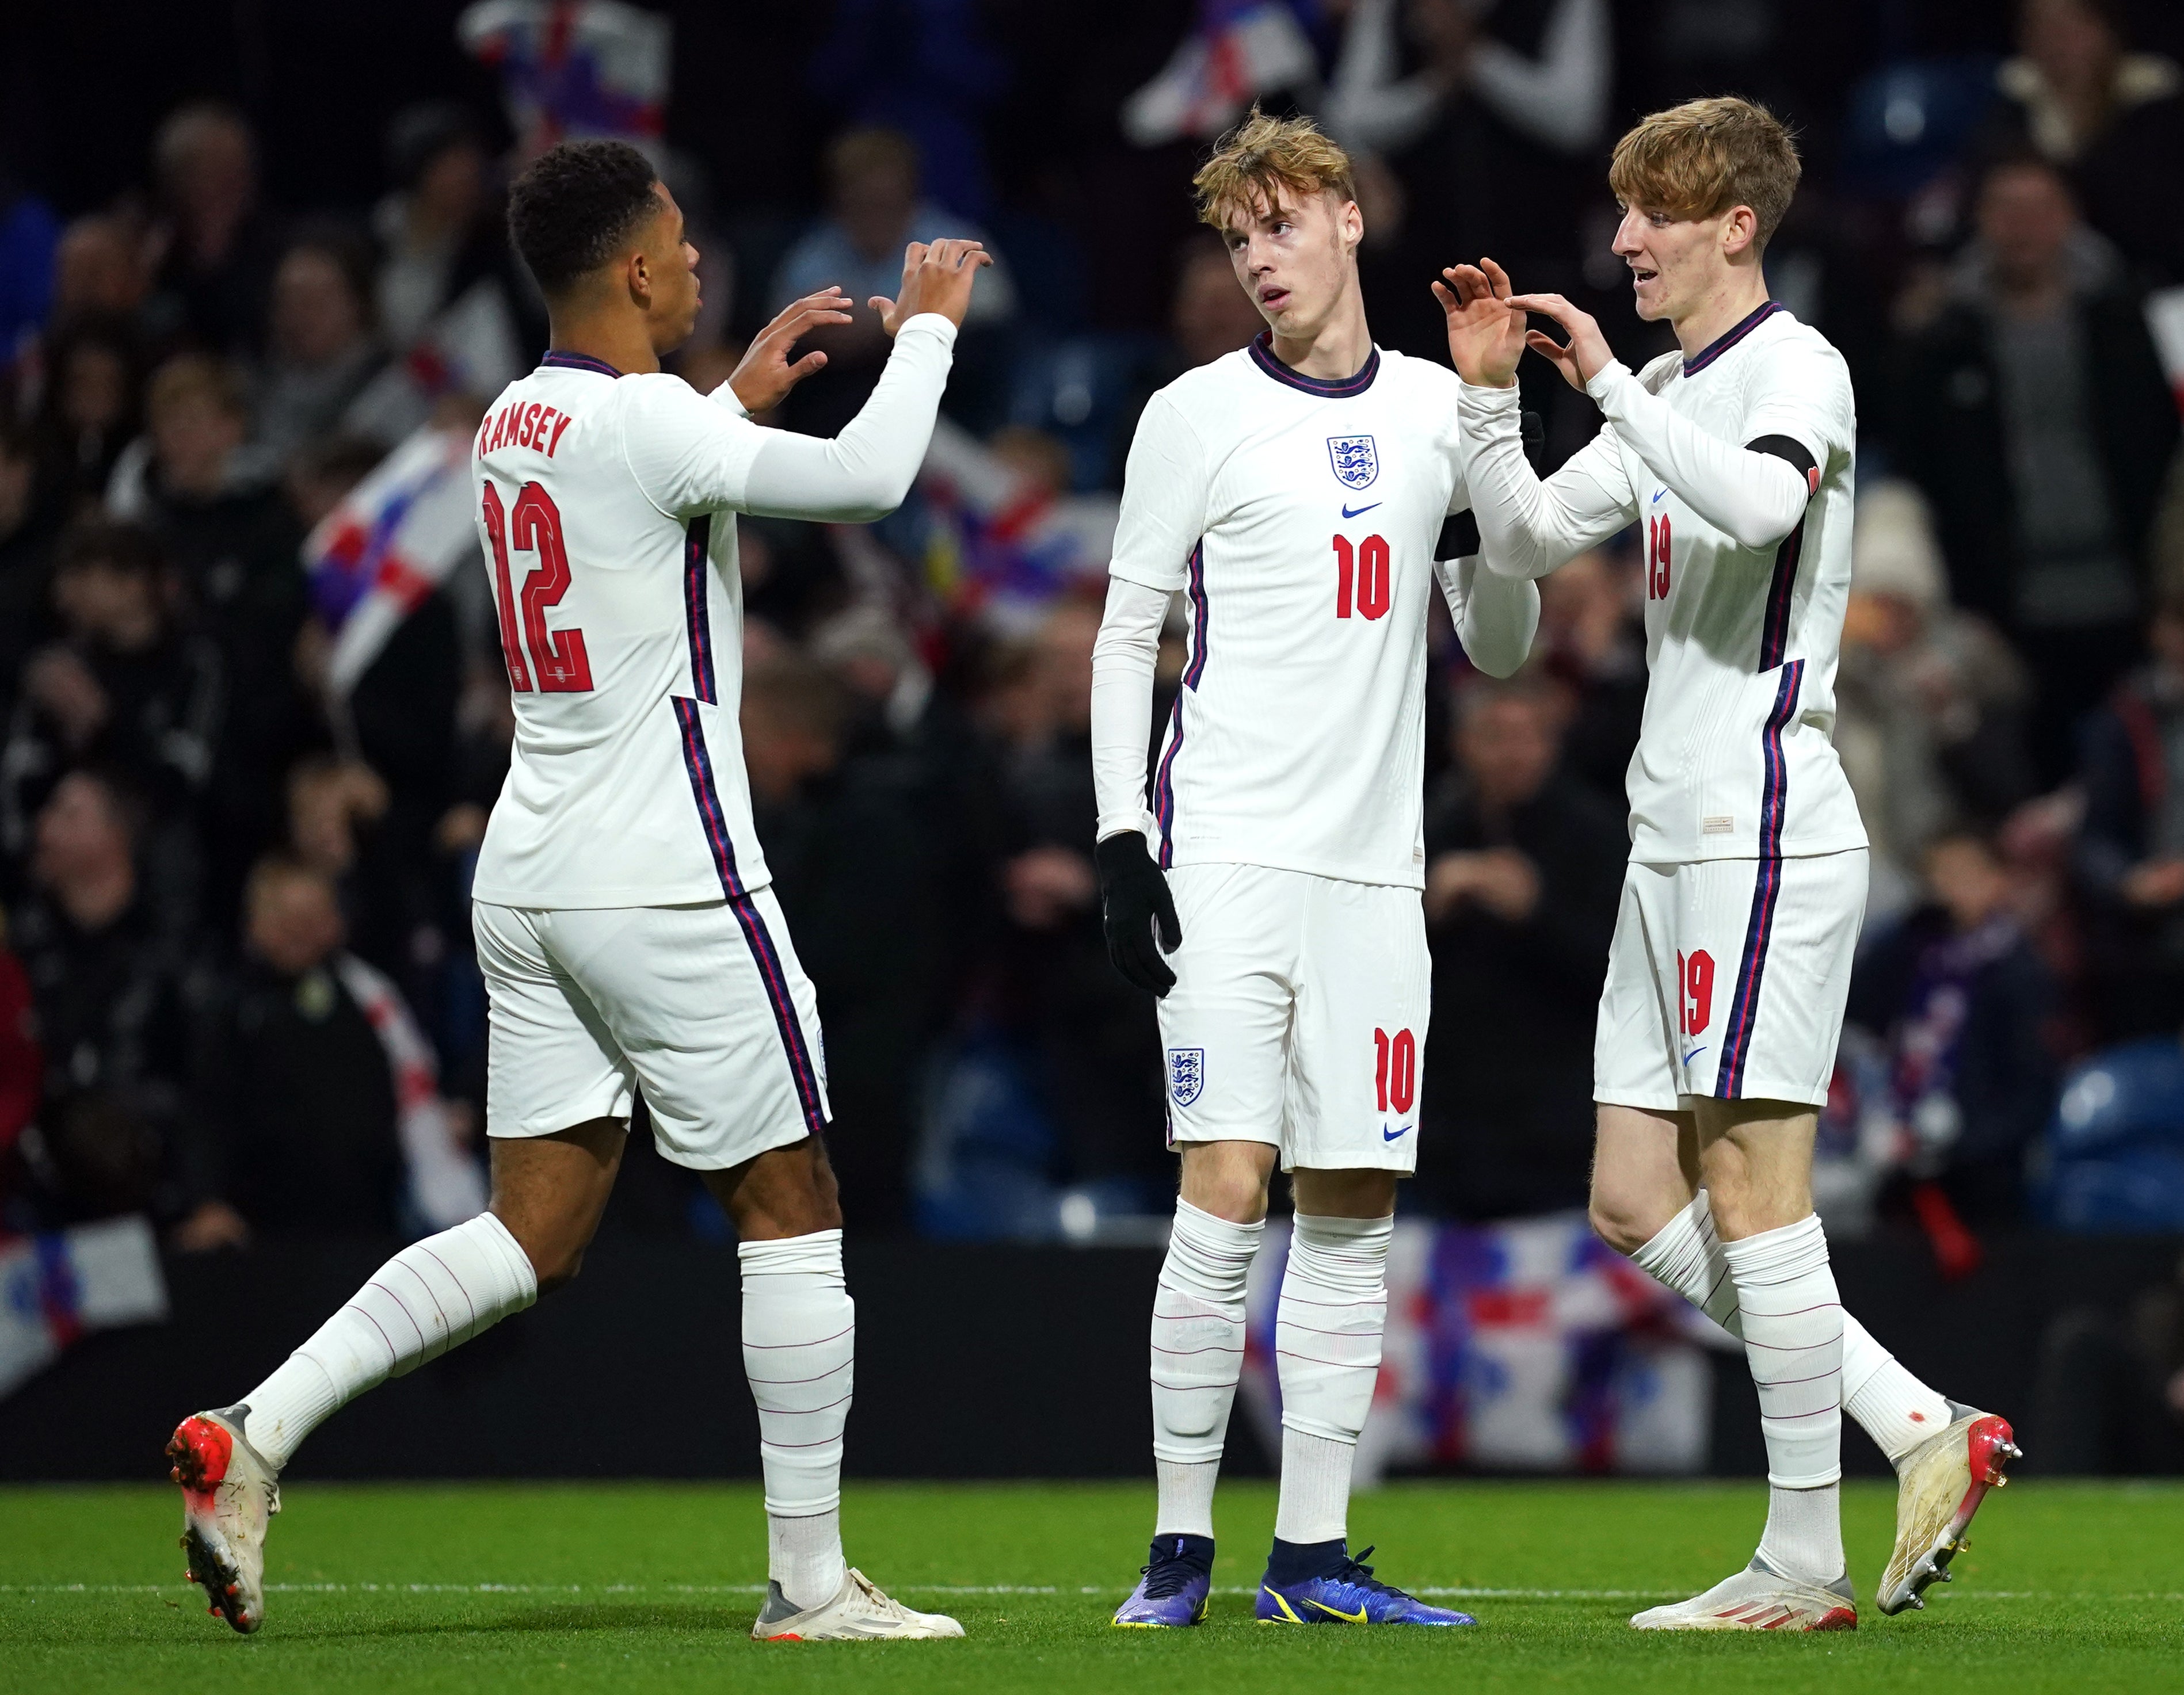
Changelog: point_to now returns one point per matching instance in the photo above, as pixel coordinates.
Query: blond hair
(1268, 162)
(1699, 159)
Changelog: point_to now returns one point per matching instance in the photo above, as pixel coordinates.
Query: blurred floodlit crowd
(237, 990)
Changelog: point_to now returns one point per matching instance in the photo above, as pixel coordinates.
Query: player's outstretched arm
(766, 373)
(1527, 527)
(1754, 494)
(864, 473)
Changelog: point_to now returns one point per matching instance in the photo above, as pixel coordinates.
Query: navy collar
(561, 359)
(1729, 338)
(1339, 388)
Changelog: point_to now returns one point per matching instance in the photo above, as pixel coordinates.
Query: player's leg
(1357, 1052)
(722, 1027)
(1224, 1027)
(557, 1099)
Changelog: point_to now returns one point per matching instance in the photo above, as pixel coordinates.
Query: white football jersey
(604, 510)
(1736, 758)
(1300, 518)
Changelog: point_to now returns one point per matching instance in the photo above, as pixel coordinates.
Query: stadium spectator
(2033, 414)
(93, 378)
(217, 243)
(27, 523)
(1963, 1005)
(2129, 860)
(99, 270)
(1524, 865)
(1591, 641)
(1093, 1037)
(853, 869)
(123, 688)
(1210, 314)
(321, 349)
(1929, 701)
(300, 1098)
(231, 541)
(109, 987)
(2111, 118)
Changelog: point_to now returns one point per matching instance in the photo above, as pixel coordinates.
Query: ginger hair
(1264, 162)
(1704, 157)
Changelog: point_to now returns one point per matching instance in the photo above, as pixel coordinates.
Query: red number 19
(1656, 558)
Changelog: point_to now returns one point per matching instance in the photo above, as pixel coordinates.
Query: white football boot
(1941, 1486)
(1758, 1598)
(859, 1612)
(229, 1493)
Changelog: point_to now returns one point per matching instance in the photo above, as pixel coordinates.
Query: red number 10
(557, 656)
(1398, 1080)
(1366, 564)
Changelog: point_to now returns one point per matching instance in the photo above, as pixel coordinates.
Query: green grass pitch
(642, 1588)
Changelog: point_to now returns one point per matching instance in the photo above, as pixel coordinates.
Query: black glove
(1132, 896)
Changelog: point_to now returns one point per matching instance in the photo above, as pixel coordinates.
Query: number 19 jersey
(600, 510)
(1299, 518)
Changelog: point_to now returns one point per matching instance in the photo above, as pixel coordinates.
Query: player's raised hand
(1134, 898)
(934, 279)
(1584, 355)
(1485, 333)
(765, 376)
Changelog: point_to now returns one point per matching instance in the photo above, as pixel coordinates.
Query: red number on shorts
(1398, 1069)
(557, 656)
(1694, 991)
(1656, 558)
(1365, 569)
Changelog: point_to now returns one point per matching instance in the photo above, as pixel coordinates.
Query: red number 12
(557, 656)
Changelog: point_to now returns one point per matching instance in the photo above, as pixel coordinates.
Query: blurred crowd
(237, 990)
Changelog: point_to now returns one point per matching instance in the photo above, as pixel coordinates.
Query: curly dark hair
(576, 205)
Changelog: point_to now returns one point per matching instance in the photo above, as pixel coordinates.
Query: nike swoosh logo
(1387, 1135)
(1658, 493)
(1361, 511)
(1356, 1618)
(1694, 1053)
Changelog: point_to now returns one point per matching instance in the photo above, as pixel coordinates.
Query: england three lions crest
(1356, 464)
(1186, 1074)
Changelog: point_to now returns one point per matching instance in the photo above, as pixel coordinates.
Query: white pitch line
(1461, 1591)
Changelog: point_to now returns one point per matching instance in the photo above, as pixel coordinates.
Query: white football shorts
(1727, 978)
(704, 1007)
(1298, 1016)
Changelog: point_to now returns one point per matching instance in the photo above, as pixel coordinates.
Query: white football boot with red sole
(1941, 1486)
(228, 1493)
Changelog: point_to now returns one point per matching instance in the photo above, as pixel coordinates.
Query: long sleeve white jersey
(1299, 518)
(603, 510)
(1747, 571)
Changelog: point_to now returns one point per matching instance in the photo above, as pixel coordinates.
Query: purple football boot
(1173, 1586)
(1345, 1593)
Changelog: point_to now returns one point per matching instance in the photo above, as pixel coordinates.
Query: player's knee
(1619, 1221)
(554, 1264)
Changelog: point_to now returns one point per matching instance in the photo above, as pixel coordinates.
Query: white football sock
(1785, 1292)
(1315, 1498)
(800, 1354)
(1803, 1537)
(432, 1296)
(1327, 1351)
(1891, 1405)
(1197, 1355)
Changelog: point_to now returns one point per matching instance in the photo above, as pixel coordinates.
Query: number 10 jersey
(1299, 517)
(601, 511)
